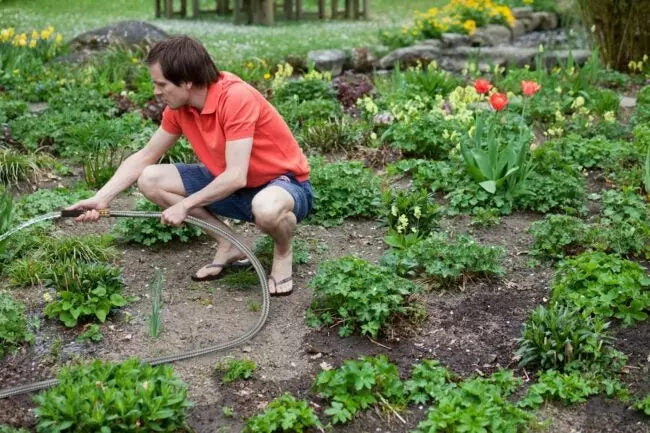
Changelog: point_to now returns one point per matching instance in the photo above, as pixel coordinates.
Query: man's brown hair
(183, 60)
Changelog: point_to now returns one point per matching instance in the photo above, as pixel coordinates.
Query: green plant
(570, 388)
(10, 110)
(360, 296)
(297, 114)
(426, 136)
(626, 222)
(284, 414)
(16, 167)
(341, 134)
(646, 173)
(410, 215)
(441, 259)
(252, 306)
(428, 380)
(342, 190)
(476, 405)
(92, 333)
(235, 369)
(360, 384)
(228, 411)
(10, 429)
(48, 200)
(6, 214)
(303, 90)
(557, 236)
(101, 396)
(155, 325)
(557, 335)
(643, 405)
(149, 231)
(84, 289)
(13, 325)
(603, 285)
(264, 245)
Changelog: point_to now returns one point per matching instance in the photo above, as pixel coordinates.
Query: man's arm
(127, 173)
(234, 177)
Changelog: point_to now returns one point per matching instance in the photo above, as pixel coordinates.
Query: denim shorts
(239, 205)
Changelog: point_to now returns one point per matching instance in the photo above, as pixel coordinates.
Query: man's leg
(273, 211)
(162, 184)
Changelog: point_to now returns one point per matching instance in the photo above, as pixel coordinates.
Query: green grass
(227, 43)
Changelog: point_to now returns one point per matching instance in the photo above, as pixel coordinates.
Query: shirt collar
(210, 105)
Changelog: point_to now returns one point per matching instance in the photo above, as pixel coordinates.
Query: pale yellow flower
(32, 43)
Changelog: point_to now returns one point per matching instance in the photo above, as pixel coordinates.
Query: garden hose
(23, 389)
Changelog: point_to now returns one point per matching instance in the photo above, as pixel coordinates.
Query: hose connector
(73, 213)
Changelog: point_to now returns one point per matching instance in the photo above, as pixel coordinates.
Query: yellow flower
(32, 43)
(470, 26)
(134, 60)
(267, 76)
(47, 297)
(35, 34)
(250, 65)
(578, 102)
(645, 57)
(609, 116)
(59, 38)
(529, 2)
(417, 212)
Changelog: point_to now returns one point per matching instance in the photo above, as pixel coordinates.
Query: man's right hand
(92, 206)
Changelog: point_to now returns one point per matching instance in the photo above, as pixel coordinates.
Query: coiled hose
(23, 389)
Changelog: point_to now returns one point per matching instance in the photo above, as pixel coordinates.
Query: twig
(383, 400)
(379, 344)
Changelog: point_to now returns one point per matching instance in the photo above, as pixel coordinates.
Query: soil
(472, 327)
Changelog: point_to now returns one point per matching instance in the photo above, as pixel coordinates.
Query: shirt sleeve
(240, 113)
(170, 123)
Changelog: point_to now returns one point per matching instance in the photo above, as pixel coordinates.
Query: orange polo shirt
(234, 110)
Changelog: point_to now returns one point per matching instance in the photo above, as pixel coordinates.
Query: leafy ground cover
(476, 260)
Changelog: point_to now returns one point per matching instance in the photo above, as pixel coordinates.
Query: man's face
(171, 94)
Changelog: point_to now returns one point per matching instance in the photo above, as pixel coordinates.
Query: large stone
(518, 29)
(452, 40)
(362, 60)
(547, 20)
(457, 64)
(504, 55)
(410, 54)
(522, 12)
(553, 58)
(535, 22)
(328, 60)
(491, 35)
(124, 33)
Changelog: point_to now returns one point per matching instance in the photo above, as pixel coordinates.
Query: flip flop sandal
(277, 283)
(242, 263)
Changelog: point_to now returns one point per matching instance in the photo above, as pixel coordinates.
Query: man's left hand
(175, 215)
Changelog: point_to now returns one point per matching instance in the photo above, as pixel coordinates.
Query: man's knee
(267, 215)
(149, 180)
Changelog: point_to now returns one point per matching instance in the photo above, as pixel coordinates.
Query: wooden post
(349, 10)
(366, 9)
(183, 8)
(169, 8)
(335, 9)
(321, 9)
(355, 9)
(195, 8)
(267, 10)
(236, 14)
(156, 7)
(298, 10)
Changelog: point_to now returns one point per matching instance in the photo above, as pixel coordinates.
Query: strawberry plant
(626, 222)
(603, 285)
(428, 380)
(444, 260)
(570, 388)
(284, 414)
(235, 369)
(559, 235)
(643, 405)
(149, 231)
(360, 296)
(104, 397)
(410, 216)
(360, 384)
(13, 325)
(555, 336)
(48, 200)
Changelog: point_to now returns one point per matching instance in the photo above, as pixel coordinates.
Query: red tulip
(499, 101)
(482, 86)
(530, 87)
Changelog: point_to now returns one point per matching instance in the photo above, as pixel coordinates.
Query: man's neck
(198, 97)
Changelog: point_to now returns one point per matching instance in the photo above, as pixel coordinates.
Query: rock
(433, 42)
(627, 102)
(547, 20)
(504, 55)
(247, 349)
(553, 58)
(535, 22)
(490, 35)
(328, 60)
(518, 29)
(362, 60)
(522, 12)
(457, 64)
(130, 33)
(298, 63)
(37, 107)
(453, 40)
(410, 54)
(527, 23)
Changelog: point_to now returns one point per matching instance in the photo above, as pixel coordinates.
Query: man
(251, 165)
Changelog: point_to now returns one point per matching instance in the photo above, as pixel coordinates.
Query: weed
(228, 411)
(570, 388)
(557, 236)
(428, 380)
(235, 369)
(643, 405)
(92, 333)
(155, 325)
(133, 397)
(13, 325)
(240, 279)
(360, 384)
(284, 414)
(252, 306)
(264, 245)
(16, 167)
(359, 296)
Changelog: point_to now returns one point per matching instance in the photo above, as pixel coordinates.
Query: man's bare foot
(222, 258)
(280, 283)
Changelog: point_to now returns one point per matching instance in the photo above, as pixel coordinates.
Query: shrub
(235, 369)
(101, 396)
(427, 136)
(443, 260)
(149, 231)
(342, 190)
(555, 336)
(360, 384)
(557, 236)
(297, 114)
(16, 166)
(13, 325)
(10, 110)
(360, 296)
(335, 135)
(284, 414)
(302, 90)
(603, 285)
